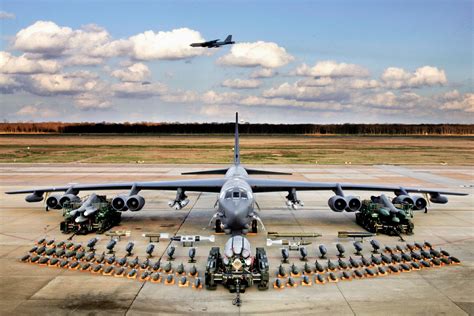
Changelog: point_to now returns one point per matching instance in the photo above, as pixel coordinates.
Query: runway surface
(31, 289)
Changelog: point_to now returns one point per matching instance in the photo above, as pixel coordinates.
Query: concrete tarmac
(32, 289)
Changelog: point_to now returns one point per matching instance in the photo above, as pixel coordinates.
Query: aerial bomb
(396, 258)
(33, 249)
(303, 253)
(40, 250)
(197, 283)
(281, 271)
(425, 254)
(370, 272)
(192, 255)
(60, 252)
(101, 258)
(132, 274)
(156, 277)
(323, 251)
(307, 268)
(428, 245)
(91, 243)
(405, 267)
(382, 270)
(331, 266)
(156, 266)
(393, 268)
(43, 260)
(376, 260)
(25, 258)
(193, 272)
(60, 244)
(108, 270)
(122, 261)
(353, 263)
(435, 253)
(306, 281)
(149, 250)
(375, 245)
(320, 279)
(319, 266)
(445, 260)
(285, 254)
(291, 282)
(110, 246)
(436, 262)
(342, 264)
(145, 276)
(170, 252)
(74, 265)
(133, 263)
(346, 275)
(415, 265)
(145, 264)
(180, 269)
(77, 247)
(358, 247)
(53, 262)
(168, 268)
(86, 266)
(183, 281)
(424, 264)
(169, 279)
(90, 257)
(80, 255)
(418, 245)
(444, 253)
(64, 263)
(389, 249)
(278, 284)
(41, 241)
(406, 257)
(110, 260)
(333, 277)
(399, 248)
(50, 251)
(358, 274)
(69, 245)
(97, 268)
(294, 270)
(119, 272)
(411, 247)
(129, 248)
(35, 258)
(365, 262)
(415, 256)
(50, 243)
(341, 250)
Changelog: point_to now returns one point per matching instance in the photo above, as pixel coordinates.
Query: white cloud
(8, 84)
(134, 73)
(6, 15)
(213, 97)
(461, 103)
(91, 101)
(389, 100)
(138, 90)
(10, 64)
(265, 54)
(398, 78)
(66, 83)
(263, 73)
(304, 93)
(166, 45)
(35, 111)
(329, 68)
(241, 83)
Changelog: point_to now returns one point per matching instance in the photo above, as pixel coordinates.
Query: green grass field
(254, 149)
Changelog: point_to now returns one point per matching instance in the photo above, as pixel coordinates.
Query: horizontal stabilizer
(213, 171)
(256, 171)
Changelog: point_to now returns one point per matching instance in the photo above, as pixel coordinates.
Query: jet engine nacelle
(337, 203)
(34, 197)
(400, 199)
(418, 202)
(438, 198)
(68, 198)
(119, 203)
(353, 204)
(135, 202)
(53, 202)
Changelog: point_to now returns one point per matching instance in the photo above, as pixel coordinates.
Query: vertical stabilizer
(236, 145)
(228, 39)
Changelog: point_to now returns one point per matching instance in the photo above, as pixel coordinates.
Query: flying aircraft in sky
(214, 43)
(236, 212)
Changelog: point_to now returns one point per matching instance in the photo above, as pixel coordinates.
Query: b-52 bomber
(236, 213)
(214, 43)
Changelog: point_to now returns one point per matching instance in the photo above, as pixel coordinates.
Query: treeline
(228, 128)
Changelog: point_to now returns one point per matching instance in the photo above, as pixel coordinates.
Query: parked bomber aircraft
(214, 43)
(236, 203)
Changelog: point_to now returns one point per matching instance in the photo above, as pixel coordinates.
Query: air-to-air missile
(183, 282)
(353, 263)
(193, 271)
(168, 268)
(358, 274)
(424, 264)
(25, 258)
(156, 265)
(60, 252)
(110, 260)
(50, 251)
(307, 269)
(43, 261)
(320, 279)
(436, 262)
(64, 263)
(80, 255)
(170, 253)
(60, 244)
(97, 268)
(396, 258)
(346, 275)
(133, 263)
(382, 270)
(435, 253)
(33, 249)
(145, 276)
(306, 281)
(331, 266)
(323, 251)
(425, 254)
(40, 250)
(415, 265)
(119, 272)
(192, 255)
(319, 267)
(110, 246)
(197, 284)
(149, 250)
(132, 274)
(415, 256)
(375, 260)
(445, 260)
(428, 245)
(294, 271)
(291, 282)
(341, 250)
(342, 265)
(90, 257)
(121, 262)
(405, 267)
(393, 268)
(129, 248)
(86, 266)
(375, 245)
(333, 277)
(41, 241)
(100, 258)
(370, 272)
(358, 247)
(406, 257)
(365, 262)
(109, 270)
(303, 253)
(444, 253)
(169, 279)
(53, 262)
(285, 254)
(74, 265)
(281, 272)
(156, 277)
(418, 245)
(278, 284)
(91, 243)
(180, 269)
(145, 264)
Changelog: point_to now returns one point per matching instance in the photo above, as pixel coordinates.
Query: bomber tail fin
(228, 39)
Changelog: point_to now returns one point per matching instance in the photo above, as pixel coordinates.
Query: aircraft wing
(268, 185)
(198, 185)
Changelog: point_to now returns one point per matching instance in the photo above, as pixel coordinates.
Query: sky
(293, 62)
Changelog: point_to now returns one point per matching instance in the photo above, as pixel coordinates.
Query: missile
(285, 242)
(323, 250)
(86, 209)
(149, 250)
(129, 248)
(188, 238)
(341, 250)
(358, 247)
(91, 243)
(80, 219)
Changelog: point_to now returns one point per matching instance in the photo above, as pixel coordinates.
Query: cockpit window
(228, 194)
(243, 195)
(236, 194)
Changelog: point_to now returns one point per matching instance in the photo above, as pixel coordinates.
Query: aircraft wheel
(218, 226)
(254, 226)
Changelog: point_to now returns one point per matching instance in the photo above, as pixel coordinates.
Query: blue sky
(417, 56)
